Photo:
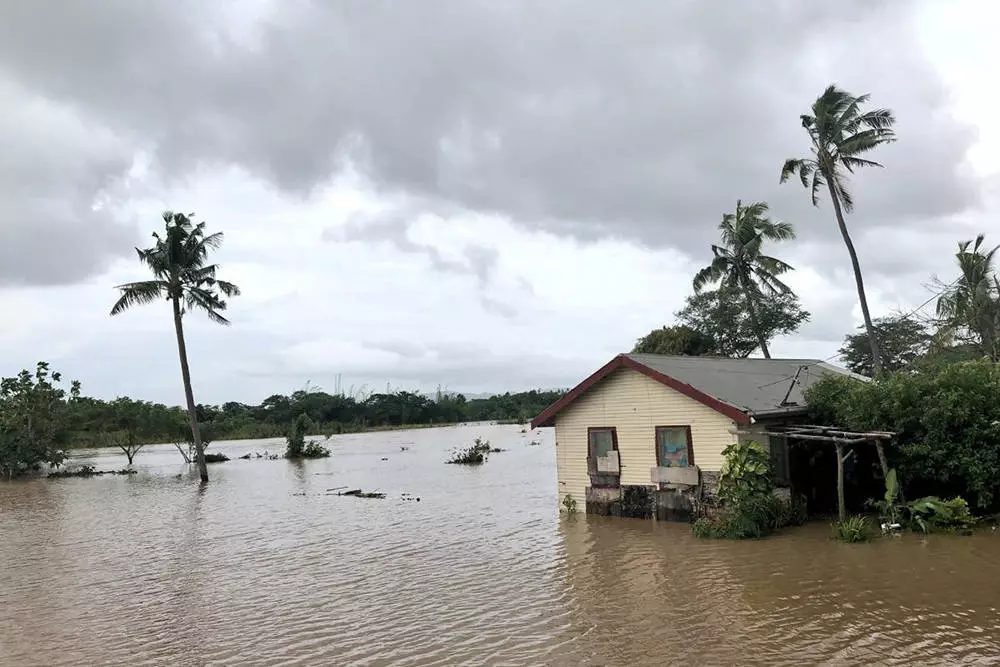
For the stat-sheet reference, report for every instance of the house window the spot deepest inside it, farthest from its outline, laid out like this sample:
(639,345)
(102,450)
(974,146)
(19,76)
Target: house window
(603,462)
(673,447)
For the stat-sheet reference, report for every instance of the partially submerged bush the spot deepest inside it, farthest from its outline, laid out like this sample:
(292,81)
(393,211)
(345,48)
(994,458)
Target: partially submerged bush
(746,489)
(852,529)
(296,445)
(933,514)
(89,471)
(216,458)
(569,503)
(475,454)
(947,421)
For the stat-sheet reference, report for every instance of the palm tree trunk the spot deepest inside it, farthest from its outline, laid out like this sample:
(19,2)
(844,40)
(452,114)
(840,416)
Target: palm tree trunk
(755,323)
(189,392)
(869,328)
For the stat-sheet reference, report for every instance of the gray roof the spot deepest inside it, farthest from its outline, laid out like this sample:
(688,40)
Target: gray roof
(756,386)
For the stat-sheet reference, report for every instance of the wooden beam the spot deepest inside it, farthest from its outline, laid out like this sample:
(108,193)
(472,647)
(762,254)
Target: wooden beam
(809,436)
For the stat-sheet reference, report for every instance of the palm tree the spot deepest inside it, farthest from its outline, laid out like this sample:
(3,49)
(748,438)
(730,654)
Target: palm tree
(972,301)
(183,277)
(840,133)
(739,264)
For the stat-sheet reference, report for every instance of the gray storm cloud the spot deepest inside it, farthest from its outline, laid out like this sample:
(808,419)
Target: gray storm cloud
(642,120)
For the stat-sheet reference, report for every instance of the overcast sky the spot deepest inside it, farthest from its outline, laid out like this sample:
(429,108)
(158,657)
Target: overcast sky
(475,194)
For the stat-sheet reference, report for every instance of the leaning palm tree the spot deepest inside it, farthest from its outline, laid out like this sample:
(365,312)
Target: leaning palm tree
(971,303)
(182,276)
(840,133)
(739,264)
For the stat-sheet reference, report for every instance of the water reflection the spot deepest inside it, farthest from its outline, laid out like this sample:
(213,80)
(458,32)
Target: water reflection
(263,567)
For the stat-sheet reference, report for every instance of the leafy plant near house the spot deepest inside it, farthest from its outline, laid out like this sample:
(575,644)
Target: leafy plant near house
(746,489)
(569,504)
(890,510)
(746,472)
(853,529)
(931,514)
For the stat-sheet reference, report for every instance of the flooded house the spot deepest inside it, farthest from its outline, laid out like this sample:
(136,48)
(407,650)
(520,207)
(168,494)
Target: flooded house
(643,436)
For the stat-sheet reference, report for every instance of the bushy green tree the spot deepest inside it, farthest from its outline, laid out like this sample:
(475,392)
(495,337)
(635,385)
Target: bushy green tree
(721,317)
(901,341)
(33,420)
(947,420)
(678,340)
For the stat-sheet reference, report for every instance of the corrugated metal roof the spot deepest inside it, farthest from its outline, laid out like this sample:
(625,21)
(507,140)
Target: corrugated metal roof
(752,385)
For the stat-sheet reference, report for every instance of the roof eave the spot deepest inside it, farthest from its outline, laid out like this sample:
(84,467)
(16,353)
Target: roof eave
(547,417)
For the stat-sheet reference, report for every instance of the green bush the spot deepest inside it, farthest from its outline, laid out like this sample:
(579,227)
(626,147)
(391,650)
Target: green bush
(746,489)
(852,529)
(947,420)
(296,446)
(932,514)
(569,503)
(475,454)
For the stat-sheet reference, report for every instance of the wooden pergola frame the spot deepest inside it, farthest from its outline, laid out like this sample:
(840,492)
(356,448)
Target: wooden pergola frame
(839,437)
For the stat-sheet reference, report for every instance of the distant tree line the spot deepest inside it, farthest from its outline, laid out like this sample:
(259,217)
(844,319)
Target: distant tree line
(38,419)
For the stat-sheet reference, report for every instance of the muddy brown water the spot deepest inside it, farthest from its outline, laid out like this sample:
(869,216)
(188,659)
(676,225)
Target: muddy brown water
(150,570)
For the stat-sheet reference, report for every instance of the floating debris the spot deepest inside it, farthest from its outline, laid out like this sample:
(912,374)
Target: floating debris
(404,448)
(407,496)
(90,471)
(358,493)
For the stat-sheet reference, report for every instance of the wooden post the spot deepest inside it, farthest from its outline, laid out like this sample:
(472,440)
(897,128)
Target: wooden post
(841,507)
(881,458)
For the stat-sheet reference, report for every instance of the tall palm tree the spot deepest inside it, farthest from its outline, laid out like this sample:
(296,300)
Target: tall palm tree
(739,264)
(182,276)
(972,301)
(840,133)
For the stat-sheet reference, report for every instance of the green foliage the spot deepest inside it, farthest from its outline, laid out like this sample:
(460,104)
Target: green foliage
(296,445)
(678,340)
(96,423)
(34,413)
(746,489)
(181,272)
(931,513)
(947,421)
(740,266)
(569,504)
(475,454)
(890,510)
(901,341)
(853,529)
(746,473)
(969,308)
(721,317)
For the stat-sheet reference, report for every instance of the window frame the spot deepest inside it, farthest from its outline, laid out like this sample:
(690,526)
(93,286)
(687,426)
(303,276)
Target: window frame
(673,427)
(591,460)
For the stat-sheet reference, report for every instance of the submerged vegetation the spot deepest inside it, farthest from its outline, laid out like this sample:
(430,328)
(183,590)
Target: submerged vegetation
(750,509)
(852,529)
(475,454)
(297,447)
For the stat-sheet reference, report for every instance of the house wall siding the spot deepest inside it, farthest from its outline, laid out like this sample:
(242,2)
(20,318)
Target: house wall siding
(635,405)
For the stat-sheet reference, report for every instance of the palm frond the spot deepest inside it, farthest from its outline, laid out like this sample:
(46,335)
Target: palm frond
(853,163)
(138,294)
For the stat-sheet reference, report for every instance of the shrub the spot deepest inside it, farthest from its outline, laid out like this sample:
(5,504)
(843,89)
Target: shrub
(569,503)
(931,513)
(475,454)
(852,529)
(947,420)
(216,458)
(746,488)
(297,447)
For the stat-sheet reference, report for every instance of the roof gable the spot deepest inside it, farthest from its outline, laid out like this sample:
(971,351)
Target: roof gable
(737,388)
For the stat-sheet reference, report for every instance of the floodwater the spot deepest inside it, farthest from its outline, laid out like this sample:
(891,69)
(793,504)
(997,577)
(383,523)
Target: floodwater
(262,568)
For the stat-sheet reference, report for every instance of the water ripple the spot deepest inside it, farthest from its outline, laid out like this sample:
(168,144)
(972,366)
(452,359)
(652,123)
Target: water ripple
(264,568)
